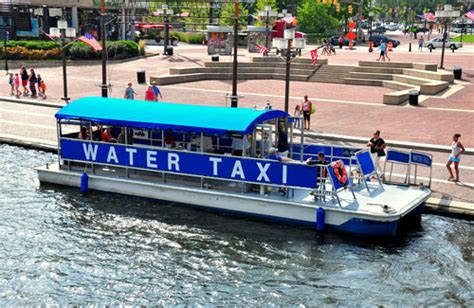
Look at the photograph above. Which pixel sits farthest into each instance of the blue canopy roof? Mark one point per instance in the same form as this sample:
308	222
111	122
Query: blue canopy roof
180	117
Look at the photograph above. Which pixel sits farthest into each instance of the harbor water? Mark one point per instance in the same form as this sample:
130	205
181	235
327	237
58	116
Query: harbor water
61	247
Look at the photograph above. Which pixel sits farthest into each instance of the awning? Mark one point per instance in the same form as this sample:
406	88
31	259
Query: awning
161	115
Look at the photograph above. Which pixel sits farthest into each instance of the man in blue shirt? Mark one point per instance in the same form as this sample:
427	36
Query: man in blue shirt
273	155
383	49
156	91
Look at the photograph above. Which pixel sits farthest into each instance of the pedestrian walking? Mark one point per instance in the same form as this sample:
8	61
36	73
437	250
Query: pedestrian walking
307	106
17	82
421	42
38	82
24	80
43	88
297	115
32	80
456	149
150	94
383	49
130	92
11	83
341	42
157	92
331	46
377	149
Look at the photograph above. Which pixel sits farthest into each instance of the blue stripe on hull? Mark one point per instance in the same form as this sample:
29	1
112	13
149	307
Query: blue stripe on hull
355	226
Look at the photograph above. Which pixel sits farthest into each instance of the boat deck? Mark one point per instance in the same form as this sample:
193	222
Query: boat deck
385	200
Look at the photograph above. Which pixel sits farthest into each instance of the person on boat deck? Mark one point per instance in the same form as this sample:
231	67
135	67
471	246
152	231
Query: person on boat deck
377	149
206	144
84	134
320	162
97	134
170	141
282	140
150	94
273	155
266	144
240	145
107	135
121	136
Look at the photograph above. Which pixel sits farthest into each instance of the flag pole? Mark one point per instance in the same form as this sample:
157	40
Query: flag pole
104	51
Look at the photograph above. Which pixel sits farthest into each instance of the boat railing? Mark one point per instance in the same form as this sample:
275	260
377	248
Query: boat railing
92	155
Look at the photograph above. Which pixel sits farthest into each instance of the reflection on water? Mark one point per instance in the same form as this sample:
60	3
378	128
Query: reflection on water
61	247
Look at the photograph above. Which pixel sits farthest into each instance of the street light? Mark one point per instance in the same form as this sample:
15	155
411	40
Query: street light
447	13
63	32
285	44
6	50
267	13
165	11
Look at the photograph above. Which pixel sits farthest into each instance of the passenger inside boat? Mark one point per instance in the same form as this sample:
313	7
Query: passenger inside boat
241	145
107	135
170	140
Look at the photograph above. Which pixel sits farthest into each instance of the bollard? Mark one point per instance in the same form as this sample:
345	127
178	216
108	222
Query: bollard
409	47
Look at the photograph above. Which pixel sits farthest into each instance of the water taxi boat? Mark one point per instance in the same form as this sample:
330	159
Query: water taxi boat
218	158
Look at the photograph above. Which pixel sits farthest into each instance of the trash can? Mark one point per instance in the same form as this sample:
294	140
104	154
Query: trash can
457	72
413	97
141	77
169	51
215	58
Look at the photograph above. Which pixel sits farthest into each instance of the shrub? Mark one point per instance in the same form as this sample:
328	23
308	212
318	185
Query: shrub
44	50
189	37
22	53
34	45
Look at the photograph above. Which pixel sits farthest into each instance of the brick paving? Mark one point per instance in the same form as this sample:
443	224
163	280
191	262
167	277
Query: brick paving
342	109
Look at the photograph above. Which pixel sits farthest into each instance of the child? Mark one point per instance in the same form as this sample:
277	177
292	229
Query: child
297	115
39	81
17	82
12	85
42	89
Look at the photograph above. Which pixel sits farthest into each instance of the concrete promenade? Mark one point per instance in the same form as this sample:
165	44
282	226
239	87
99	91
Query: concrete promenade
345	110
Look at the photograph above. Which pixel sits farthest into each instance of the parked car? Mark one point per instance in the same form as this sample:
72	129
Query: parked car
392	27
336	41
380	29
438	43
421	29
377	39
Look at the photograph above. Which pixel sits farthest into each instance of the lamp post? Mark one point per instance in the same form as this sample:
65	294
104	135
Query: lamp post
63	32
446	13
371	16
285	44
5	40
268	13
165	11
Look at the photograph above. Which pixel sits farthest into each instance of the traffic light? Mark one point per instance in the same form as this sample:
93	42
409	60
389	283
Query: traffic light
349	9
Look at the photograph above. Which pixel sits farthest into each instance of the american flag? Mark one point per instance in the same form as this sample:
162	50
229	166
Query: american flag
262	49
314	56
470	14
91	41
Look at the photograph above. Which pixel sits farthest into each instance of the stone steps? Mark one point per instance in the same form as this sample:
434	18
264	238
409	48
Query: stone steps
378	76
395	98
174	79
438	75
380	70
427	86
363	82
399	86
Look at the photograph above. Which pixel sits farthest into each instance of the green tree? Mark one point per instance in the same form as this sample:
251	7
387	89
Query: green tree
315	18
228	13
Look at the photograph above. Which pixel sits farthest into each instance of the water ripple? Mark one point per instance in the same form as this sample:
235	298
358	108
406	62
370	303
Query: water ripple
59	247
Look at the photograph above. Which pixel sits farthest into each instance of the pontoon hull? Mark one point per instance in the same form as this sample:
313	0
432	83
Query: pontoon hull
284	211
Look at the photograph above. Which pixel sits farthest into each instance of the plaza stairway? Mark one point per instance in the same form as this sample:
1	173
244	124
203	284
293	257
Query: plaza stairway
402	77
259	68
399	76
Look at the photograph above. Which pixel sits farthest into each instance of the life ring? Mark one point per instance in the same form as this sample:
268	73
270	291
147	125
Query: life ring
340	172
